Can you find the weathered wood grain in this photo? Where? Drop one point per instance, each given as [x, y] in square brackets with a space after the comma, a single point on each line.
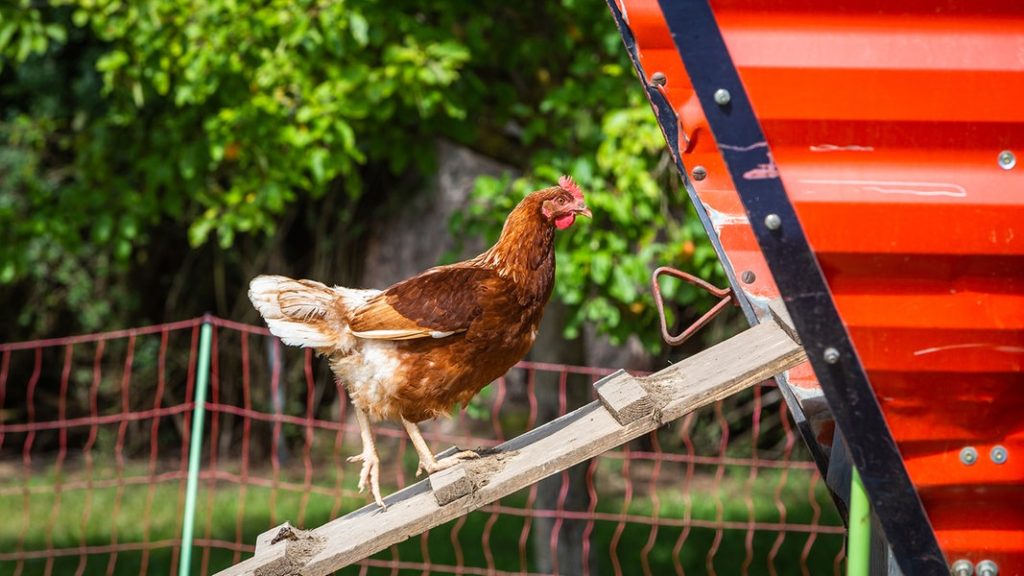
[724, 369]
[268, 561]
[624, 396]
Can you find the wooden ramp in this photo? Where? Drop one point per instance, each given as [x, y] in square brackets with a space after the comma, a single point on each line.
[629, 407]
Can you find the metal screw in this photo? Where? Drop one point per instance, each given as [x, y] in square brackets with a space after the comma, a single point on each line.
[968, 455]
[699, 173]
[831, 355]
[998, 454]
[987, 568]
[749, 277]
[658, 79]
[722, 97]
[1007, 160]
[773, 222]
[962, 567]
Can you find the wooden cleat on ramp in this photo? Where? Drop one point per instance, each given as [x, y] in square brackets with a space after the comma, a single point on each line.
[623, 396]
[451, 484]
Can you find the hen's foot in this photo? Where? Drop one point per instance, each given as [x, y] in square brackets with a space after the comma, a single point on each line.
[446, 462]
[369, 475]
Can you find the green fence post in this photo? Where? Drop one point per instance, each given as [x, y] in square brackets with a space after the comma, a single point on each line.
[196, 448]
[858, 548]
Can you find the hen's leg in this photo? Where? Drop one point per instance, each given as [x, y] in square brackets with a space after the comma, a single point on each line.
[370, 474]
[427, 460]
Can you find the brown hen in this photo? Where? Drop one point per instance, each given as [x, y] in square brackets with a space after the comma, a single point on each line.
[413, 351]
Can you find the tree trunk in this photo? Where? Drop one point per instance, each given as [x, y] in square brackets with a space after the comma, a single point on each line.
[561, 552]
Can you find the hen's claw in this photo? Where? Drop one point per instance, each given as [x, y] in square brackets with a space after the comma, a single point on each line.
[369, 475]
[445, 463]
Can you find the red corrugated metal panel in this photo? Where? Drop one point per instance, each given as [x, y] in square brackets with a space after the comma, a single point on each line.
[886, 122]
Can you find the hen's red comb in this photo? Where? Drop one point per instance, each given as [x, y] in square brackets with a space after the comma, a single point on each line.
[568, 184]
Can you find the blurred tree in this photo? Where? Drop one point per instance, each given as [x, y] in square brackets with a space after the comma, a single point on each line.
[122, 119]
[156, 155]
[142, 142]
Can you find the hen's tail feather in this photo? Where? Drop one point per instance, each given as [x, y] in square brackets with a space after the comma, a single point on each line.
[299, 312]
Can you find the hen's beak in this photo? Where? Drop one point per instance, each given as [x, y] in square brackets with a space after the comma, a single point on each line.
[581, 209]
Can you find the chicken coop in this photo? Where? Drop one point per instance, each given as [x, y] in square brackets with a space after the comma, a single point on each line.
[860, 160]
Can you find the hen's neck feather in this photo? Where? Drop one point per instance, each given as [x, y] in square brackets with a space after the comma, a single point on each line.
[525, 250]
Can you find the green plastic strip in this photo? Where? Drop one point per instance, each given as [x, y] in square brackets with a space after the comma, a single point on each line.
[196, 448]
[858, 548]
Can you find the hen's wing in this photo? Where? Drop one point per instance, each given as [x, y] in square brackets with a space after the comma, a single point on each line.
[436, 304]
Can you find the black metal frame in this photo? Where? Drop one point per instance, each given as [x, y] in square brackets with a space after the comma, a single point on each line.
[796, 272]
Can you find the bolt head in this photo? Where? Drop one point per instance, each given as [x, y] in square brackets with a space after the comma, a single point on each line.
[831, 355]
[962, 567]
[772, 222]
[987, 568]
[998, 454]
[659, 79]
[722, 97]
[1007, 160]
[968, 455]
[748, 277]
[699, 173]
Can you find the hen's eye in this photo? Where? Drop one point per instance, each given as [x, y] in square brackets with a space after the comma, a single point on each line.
[561, 200]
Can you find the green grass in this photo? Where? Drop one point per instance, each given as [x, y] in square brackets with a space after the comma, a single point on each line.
[44, 525]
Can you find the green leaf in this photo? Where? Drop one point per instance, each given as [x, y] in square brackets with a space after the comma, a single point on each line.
[360, 28]
[600, 267]
[623, 288]
[7, 273]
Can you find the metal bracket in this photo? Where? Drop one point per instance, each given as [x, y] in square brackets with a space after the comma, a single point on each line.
[724, 294]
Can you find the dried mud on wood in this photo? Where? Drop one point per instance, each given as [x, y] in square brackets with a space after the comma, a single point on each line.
[300, 546]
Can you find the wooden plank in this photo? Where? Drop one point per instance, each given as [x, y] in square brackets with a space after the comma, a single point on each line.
[623, 396]
[724, 369]
[283, 549]
[269, 563]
